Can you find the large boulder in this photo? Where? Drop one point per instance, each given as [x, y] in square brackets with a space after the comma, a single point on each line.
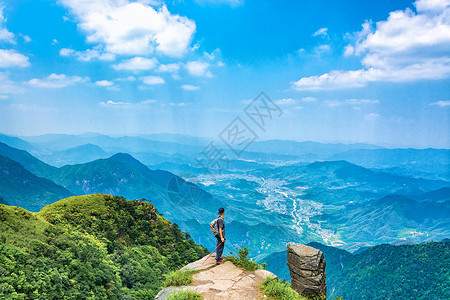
[307, 267]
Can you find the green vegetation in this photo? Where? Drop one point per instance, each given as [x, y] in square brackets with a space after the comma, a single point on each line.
[89, 247]
[417, 271]
[243, 261]
[185, 295]
[278, 290]
[179, 278]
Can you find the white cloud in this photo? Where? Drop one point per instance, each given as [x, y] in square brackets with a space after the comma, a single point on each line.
[5, 34]
[321, 32]
[25, 38]
[441, 103]
[105, 83]
[408, 46]
[169, 68]
[152, 80]
[11, 58]
[287, 101]
[198, 68]
[54, 42]
[137, 64]
[57, 81]
[349, 50]
[188, 87]
[361, 101]
[129, 78]
[333, 103]
[321, 49]
[309, 99]
[88, 55]
[232, 3]
[177, 104]
[132, 28]
[371, 116]
[119, 104]
[7, 86]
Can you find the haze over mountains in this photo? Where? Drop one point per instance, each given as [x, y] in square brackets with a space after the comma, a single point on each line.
[281, 193]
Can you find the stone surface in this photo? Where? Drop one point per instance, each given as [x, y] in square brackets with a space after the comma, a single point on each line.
[225, 281]
[307, 267]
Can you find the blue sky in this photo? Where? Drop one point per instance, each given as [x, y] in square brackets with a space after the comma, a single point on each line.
[341, 71]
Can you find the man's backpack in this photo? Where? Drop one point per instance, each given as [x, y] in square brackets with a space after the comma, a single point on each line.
[213, 227]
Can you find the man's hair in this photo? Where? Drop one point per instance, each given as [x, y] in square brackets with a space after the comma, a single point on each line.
[221, 210]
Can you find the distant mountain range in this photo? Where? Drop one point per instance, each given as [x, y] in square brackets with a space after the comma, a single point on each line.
[20, 187]
[270, 200]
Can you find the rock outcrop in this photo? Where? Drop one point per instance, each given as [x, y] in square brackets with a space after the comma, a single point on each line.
[307, 267]
[225, 281]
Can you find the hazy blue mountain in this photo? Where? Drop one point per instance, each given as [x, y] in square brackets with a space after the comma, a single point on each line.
[3, 201]
[16, 142]
[424, 163]
[77, 155]
[388, 219]
[19, 187]
[130, 144]
[439, 195]
[176, 138]
[28, 161]
[376, 158]
[319, 150]
[123, 175]
[347, 182]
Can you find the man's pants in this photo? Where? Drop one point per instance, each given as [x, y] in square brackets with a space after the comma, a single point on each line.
[220, 248]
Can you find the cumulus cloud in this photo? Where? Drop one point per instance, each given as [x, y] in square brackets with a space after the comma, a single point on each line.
[441, 103]
[286, 101]
[351, 102]
[171, 68]
[11, 58]
[88, 55]
[57, 81]
[132, 28]
[137, 64]
[408, 46]
[7, 86]
[5, 34]
[119, 104]
[309, 99]
[371, 116]
[104, 83]
[361, 101]
[129, 78]
[177, 104]
[232, 3]
[152, 80]
[321, 32]
[188, 87]
[198, 68]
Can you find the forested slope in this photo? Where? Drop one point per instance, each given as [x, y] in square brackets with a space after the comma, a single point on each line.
[89, 247]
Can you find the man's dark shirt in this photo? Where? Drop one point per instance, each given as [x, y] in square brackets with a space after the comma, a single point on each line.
[221, 224]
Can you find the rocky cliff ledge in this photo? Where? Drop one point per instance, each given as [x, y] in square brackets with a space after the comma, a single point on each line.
[225, 281]
[307, 267]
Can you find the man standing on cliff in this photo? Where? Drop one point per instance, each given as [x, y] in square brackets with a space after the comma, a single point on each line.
[221, 236]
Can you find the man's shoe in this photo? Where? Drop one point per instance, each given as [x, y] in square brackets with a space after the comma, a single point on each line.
[219, 262]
